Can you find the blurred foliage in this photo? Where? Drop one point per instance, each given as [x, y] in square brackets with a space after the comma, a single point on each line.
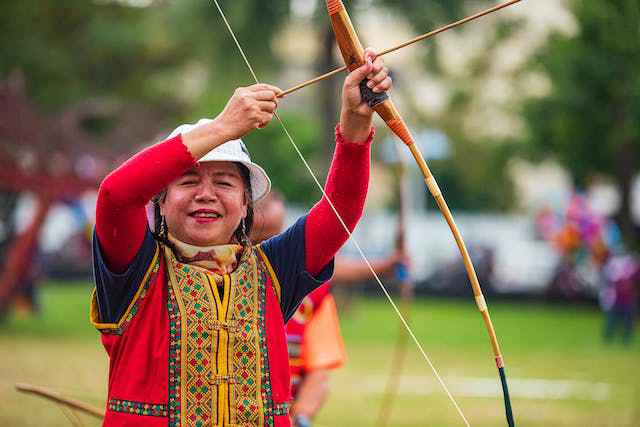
[178, 56]
[590, 121]
[76, 49]
[270, 147]
[175, 55]
[475, 177]
[427, 15]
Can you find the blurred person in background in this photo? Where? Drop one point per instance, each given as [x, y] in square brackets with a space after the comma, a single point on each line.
[619, 298]
[314, 341]
[191, 312]
[582, 238]
[27, 302]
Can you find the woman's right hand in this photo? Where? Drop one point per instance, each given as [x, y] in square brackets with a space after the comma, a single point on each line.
[248, 108]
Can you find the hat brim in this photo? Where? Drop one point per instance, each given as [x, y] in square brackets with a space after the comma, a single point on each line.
[260, 182]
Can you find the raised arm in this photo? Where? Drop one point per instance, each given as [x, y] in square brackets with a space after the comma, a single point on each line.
[120, 212]
[121, 220]
[348, 178]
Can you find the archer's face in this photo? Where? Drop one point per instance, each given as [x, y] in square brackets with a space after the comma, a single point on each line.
[206, 204]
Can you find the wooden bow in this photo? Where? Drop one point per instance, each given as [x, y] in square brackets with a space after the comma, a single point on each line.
[353, 55]
[64, 402]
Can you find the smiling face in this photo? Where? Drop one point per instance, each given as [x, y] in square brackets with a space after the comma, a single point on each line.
[205, 205]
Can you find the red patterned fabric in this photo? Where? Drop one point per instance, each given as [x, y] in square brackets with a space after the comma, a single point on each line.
[142, 370]
[314, 348]
[143, 351]
[278, 358]
[138, 357]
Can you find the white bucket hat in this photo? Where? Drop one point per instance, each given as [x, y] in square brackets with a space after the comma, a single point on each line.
[233, 151]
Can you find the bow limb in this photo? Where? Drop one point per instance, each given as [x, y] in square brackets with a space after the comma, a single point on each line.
[61, 400]
[406, 287]
[353, 55]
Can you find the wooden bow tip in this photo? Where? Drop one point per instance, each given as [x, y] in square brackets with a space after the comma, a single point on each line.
[334, 6]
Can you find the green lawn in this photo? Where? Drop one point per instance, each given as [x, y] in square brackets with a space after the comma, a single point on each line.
[559, 371]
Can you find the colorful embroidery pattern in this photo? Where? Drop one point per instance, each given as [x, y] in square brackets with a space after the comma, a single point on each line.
[279, 409]
[196, 389]
[266, 391]
[193, 381]
[245, 343]
[119, 328]
[138, 408]
[175, 336]
[136, 305]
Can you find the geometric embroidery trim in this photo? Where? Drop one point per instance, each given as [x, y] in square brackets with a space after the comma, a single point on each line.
[136, 305]
[197, 346]
[175, 338]
[280, 409]
[138, 408]
[267, 392]
[249, 379]
[246, 305]
[151, 277]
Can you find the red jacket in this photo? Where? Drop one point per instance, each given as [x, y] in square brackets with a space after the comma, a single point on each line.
[177, 322]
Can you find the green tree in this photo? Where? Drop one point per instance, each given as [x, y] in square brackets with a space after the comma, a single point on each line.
[172, 57]
[76, 49]
[590, 121]
[475, 177]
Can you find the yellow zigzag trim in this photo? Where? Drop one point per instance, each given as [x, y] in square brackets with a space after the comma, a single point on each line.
[94, 315]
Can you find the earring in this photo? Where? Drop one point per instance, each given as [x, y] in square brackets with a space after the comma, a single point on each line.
[243, 231]
[164, 232]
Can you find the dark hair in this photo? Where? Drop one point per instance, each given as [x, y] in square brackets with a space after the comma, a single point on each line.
[160, 230]
[243, 237]
[159, 224]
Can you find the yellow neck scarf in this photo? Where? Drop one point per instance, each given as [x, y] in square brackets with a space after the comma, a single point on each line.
[219, 259]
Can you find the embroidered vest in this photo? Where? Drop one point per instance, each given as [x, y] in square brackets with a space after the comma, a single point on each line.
[199, 349]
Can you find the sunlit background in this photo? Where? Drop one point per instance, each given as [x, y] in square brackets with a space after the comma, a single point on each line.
[529, 119]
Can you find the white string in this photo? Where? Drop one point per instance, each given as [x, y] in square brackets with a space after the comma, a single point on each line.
[335, 211]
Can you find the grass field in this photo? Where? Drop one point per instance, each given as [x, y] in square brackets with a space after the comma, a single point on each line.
[559, 371]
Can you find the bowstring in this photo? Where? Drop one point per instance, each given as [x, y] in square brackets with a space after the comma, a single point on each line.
[346, 229]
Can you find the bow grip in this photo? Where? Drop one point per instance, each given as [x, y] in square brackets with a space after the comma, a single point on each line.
[369, 96]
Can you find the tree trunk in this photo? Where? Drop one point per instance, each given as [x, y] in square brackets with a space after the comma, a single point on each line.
[8, 202]
[624, 179]
[19, 256]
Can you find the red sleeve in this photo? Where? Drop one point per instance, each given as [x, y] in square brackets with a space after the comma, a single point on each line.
[347, 185]
[121, 219]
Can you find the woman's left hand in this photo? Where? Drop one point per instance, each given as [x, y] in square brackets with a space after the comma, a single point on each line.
[356, 115]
